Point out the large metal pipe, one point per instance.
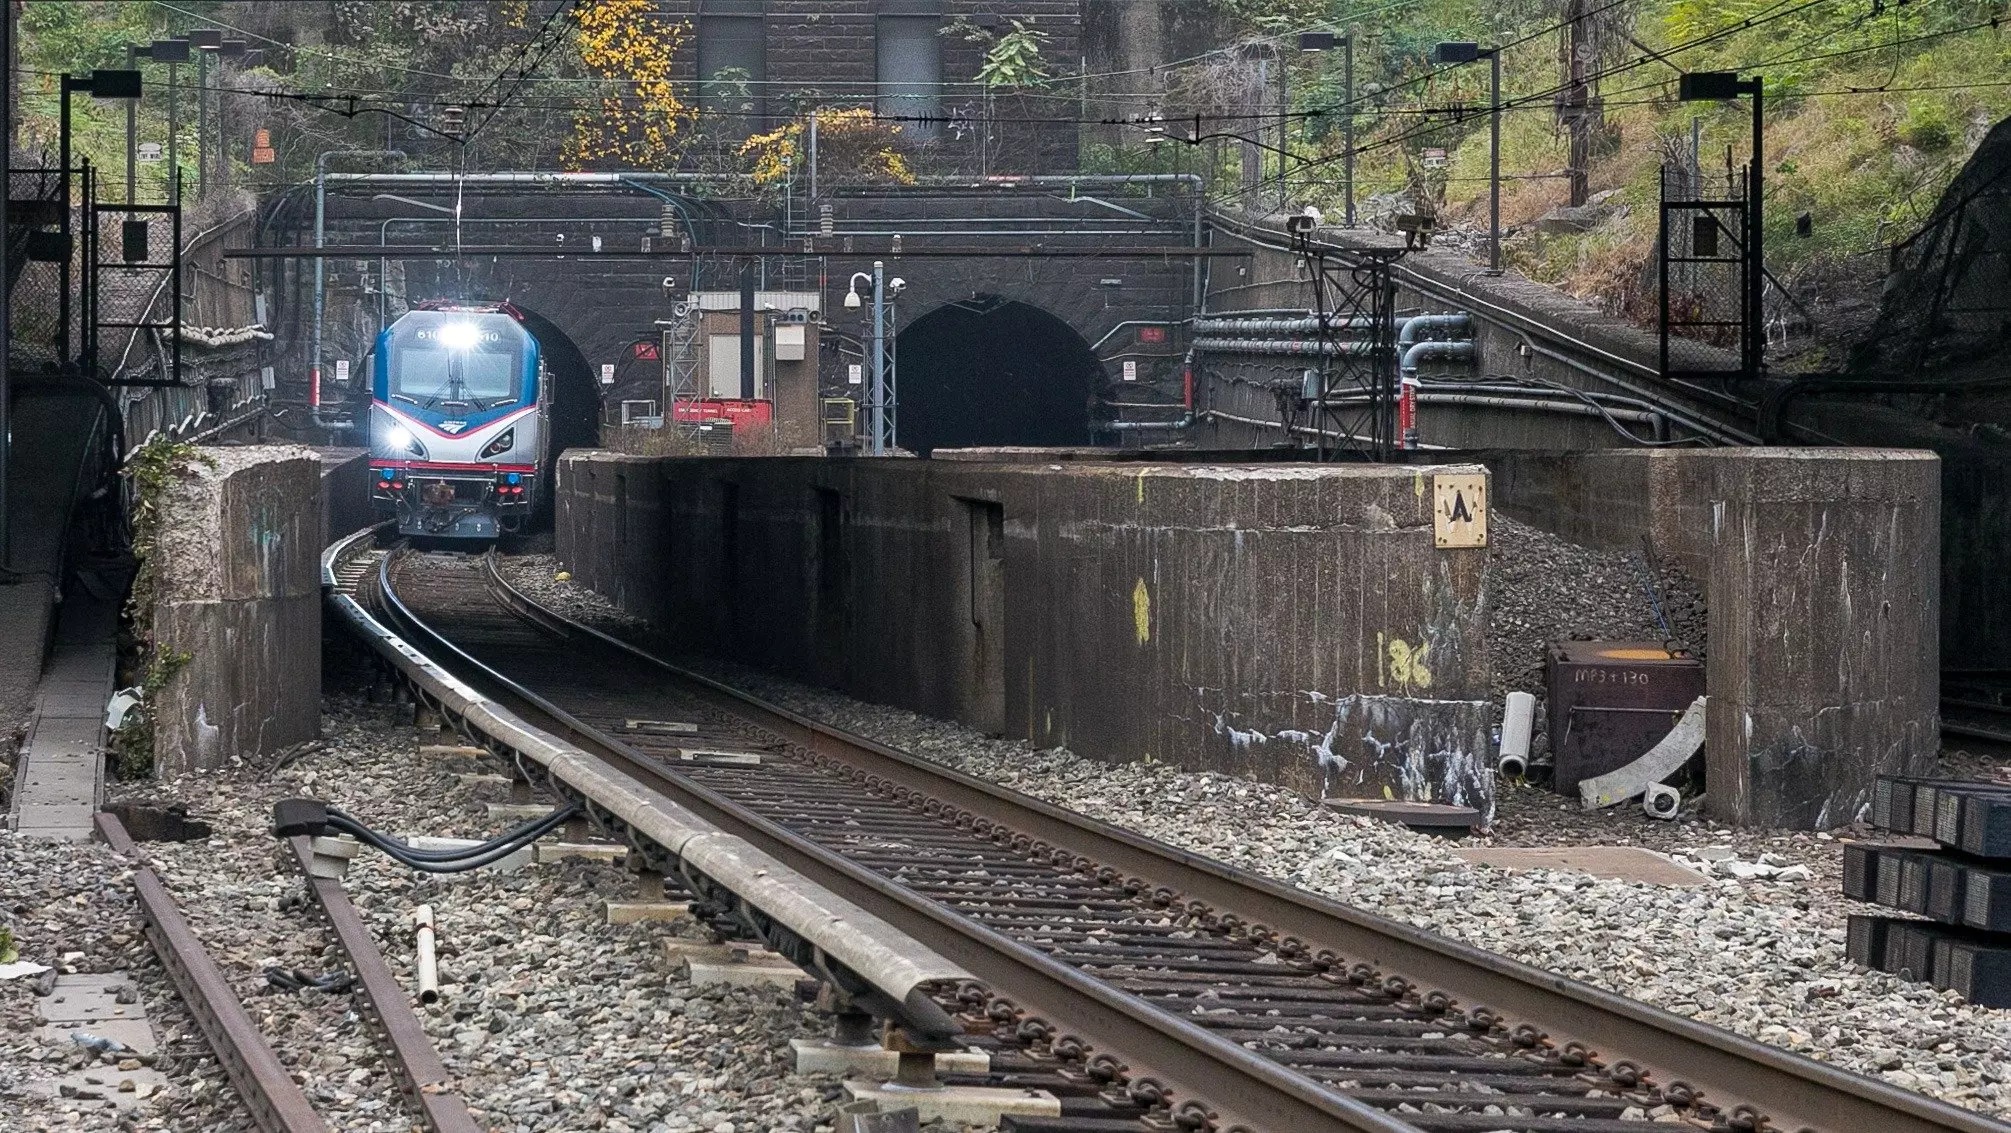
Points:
(517, 178)
(1425, 396)
(1287, 346)
(1422, 352)
(1418, 328)
(1305, 324)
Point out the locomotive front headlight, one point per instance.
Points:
(401, 438)
(504, 441)
(459, 336)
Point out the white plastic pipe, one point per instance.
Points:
(1518, 720)
(429, 967)
(1661, 801)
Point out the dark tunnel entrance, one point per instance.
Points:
(993, 371)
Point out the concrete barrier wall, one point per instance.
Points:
(239, 592)
(1295, 623)
(345, 492)
(1823, 572)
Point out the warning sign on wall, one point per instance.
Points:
(342, 369)
(1459, 511)
(1130, 370)
(607, 373)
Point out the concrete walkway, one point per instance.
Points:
(62, 769)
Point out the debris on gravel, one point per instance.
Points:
(69, 905)
(1546, 589)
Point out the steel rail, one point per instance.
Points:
(1245, 1090)
(419, 1068)
(1787, 1090)
(274, 1101)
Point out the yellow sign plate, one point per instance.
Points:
(1459, 511)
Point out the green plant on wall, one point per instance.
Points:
(1014, 61)
(152, 468)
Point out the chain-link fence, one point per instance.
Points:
(35, 268)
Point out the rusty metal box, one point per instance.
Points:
(1610, 701)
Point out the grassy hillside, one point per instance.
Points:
(1872, 107)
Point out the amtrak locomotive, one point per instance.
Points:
(459, 422)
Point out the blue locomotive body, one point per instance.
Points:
(459, 422)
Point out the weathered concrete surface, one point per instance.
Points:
(239, 592)
(1825, 574)
(1295, 623)
(345, 492)
(1823, 571)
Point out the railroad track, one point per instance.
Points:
(1149, 987)
(1976, 704)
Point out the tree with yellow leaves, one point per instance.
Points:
(852, 146)
(641, 116)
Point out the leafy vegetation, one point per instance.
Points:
(852, 145)
(640, 116)
(1872, 106)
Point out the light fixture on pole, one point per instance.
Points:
(100, 84)
(1721, 86)
(1327, 41)
(881, 398)
(1454, 52)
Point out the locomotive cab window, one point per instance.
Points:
(460, 362)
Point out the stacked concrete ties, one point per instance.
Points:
(1950, 861)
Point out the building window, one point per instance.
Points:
(910, 70)
(732, 69)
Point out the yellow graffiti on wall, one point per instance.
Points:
(1403, 662)
(1141, 612)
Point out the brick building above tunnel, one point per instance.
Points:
(756, 65)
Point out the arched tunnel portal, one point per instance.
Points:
(993, 371)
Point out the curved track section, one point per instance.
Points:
(880, 968)
(1203, 995)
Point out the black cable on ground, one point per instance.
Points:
(293, 979)
(455, 860)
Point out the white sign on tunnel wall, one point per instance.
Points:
(1459, 511)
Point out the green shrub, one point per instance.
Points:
(1927, 127)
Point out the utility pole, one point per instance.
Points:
(1348, 120)
(1494, 164)
(747, 388)
(879, 358)
(1284, 126)
(6, 280)
(1575, 106)
(1463, 51)
(132, 129)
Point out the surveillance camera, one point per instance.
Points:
(897, 285)
(669, 283)
(560, 237)
(1304, 223)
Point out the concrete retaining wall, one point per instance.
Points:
(345, 492)
(1823, 569)
(1294, 623)
(239, 592)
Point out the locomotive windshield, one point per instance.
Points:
(457, 361)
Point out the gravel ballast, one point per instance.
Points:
(549, 1018)
(1761, 957)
